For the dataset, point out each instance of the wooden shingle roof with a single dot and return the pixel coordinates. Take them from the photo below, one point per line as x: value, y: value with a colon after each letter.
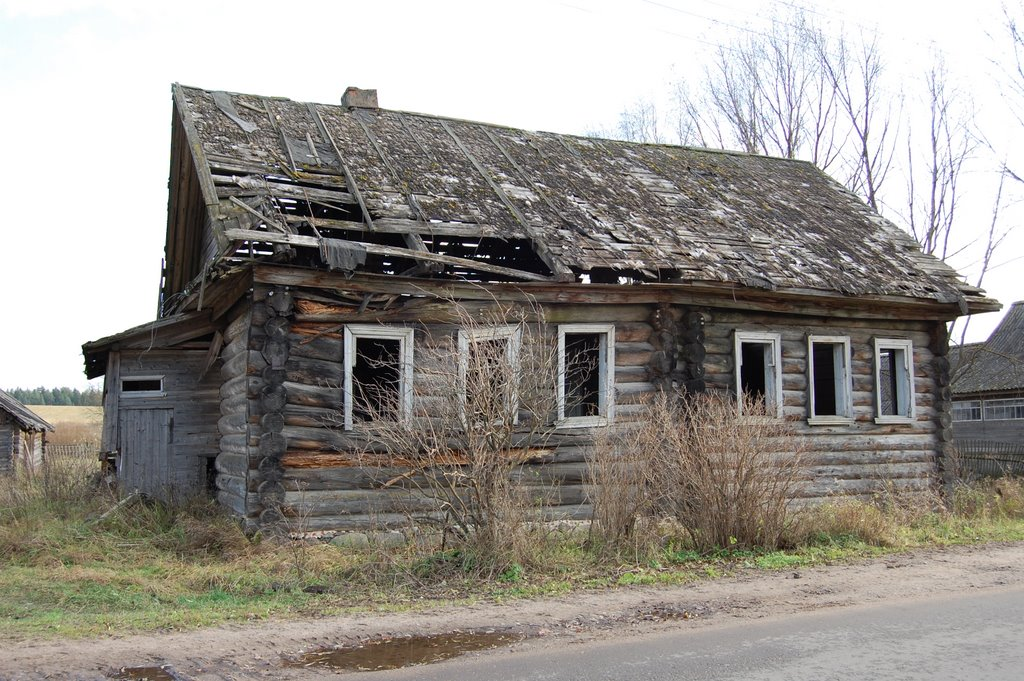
x: 473, y: 200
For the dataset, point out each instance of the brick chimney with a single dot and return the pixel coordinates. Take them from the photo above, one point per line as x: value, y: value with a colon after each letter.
x: 357, y: 98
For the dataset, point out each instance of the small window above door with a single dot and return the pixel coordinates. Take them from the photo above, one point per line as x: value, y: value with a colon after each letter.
x: 142, y: 386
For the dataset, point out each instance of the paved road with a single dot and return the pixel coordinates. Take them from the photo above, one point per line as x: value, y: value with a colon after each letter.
x: 967, y: 637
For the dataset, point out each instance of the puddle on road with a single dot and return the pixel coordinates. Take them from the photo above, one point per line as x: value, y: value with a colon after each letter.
x: 144, y: 674
x: 406, y: 651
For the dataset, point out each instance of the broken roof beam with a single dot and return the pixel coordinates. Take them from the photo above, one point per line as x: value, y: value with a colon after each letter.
x: 349, y: 179
x: 393, y: 251
x: 560, y: 270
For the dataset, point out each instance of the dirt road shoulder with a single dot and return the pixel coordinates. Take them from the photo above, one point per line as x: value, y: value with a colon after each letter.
x: 257, y: 651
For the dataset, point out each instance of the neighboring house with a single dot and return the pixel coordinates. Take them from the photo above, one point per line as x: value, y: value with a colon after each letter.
x: 988, y: 384
x: 22, y: 436
x: 307, y: 240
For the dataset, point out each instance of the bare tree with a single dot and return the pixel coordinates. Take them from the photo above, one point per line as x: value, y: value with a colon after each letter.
x: 934, y: 167
x: 1012, y: 82
x: 854, y: 71
x: 764, y: 94
x: 639, y: 123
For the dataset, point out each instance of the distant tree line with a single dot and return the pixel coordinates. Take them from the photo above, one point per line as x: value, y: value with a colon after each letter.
x: 69, y: 397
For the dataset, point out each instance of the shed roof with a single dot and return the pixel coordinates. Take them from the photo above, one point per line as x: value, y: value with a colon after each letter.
x: 25, y: 417
x: 475, y: 200
x: 996, y: 365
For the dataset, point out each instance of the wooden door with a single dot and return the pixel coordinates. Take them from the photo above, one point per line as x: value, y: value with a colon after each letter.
x: 145, y: 454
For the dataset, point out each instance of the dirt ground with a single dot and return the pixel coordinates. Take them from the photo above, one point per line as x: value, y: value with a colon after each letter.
x: 259, y: 651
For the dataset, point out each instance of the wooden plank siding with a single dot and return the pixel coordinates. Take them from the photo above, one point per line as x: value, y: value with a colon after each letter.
x: 1010, y: 431
x: 193, y: 399
x: 321, y: 480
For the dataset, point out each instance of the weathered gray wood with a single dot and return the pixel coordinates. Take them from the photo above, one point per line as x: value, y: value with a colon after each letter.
x: 394, y: 251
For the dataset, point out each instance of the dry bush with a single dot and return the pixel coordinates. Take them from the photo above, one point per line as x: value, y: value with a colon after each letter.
x: 624, y: 478
x: 484, y: 397
x: 727, y: 479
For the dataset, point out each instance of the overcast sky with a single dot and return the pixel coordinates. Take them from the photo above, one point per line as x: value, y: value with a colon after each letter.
x: 85, y: 107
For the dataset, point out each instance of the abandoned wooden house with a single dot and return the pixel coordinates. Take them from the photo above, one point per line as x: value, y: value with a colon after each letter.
x: 307, y: 242
x: 988, y: 385
x: 22, y: 436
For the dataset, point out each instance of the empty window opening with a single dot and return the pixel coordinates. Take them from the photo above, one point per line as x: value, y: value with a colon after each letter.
x: 378, y: 374
x: 582, y: 379
x: 142, y: 386
x: 753, y: 380
x: 586, y: 366
x: 894, y: 379
x: 488, y: 364
x: 829, y: 378
x: 758, y: 369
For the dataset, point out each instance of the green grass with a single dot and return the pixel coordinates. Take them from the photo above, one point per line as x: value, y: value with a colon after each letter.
x: 150, y: 567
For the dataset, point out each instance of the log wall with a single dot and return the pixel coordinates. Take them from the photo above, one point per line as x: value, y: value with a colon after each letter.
x: 862, y: 458
x: 233, y: 425
x: 303, y: 465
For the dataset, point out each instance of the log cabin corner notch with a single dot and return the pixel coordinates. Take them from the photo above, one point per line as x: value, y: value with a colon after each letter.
x: 301, y: 237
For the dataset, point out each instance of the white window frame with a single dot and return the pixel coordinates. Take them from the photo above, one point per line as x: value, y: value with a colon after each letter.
x: 606, y: 373
x: 843, y: 383
x: 773, y: 369
x: 905, y: 394
x: 138, y: 394
x: 404, y: 336
x: 1011, y: 402
x: 973, y: 404
x: 511, y: 333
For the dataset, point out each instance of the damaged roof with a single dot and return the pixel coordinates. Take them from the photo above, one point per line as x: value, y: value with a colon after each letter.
x: 25, y: 417
x: 995, y: 365
x: 359, y: 187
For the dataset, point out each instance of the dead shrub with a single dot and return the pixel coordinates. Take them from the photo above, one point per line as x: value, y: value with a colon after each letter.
x: 484, y: 397
x: 726, y: 478
x: 624, y: 479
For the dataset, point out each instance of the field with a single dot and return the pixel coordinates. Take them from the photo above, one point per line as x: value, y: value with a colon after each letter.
x: 72, y: 425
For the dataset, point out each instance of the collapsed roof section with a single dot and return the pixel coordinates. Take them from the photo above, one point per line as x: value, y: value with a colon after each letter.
x: 358, y: 188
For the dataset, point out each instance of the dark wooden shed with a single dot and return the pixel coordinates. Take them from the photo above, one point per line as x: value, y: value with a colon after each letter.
x: 22, y: 436
x: 301, y: 235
